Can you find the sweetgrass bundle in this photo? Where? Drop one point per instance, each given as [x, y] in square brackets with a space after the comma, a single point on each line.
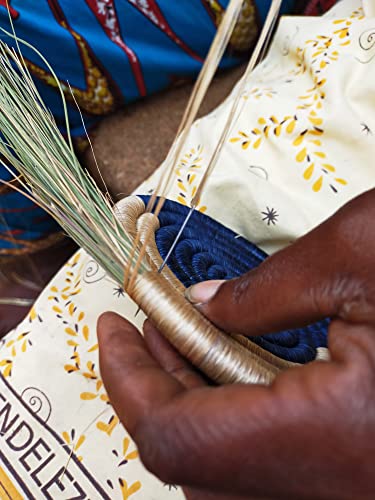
[50, 172]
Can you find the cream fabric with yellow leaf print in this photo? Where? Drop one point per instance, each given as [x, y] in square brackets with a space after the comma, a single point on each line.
[301, 146]
[302, 143]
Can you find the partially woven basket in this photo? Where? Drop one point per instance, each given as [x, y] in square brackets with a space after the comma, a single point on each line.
[225, 358]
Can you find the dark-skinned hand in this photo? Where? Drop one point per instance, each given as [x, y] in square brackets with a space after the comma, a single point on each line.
[311, 434]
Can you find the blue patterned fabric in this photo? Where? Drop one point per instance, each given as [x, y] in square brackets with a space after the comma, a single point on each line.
[207, 250]
[112, 52]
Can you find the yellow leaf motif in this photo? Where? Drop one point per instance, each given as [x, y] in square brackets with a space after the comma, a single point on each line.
[108, 428]
[66, 437]
[181, 186]
[320, 154]
[343, 33]
[278, 130]
[32, 314]
[76, 258]
[257, 143]
[71, 368]
[341, 181]
[80, 442]
[7, 363]
[88, 396]
[291, 126]
[23, 335]
[85, 332]
[329, 167]
[318, 184]
[192, 179]
[125, 447]
[301, 156]
[181, 200]
[298, 141]
[315, 121]
[316, 131]
[308, 172]
[128, 491]
[317, 53]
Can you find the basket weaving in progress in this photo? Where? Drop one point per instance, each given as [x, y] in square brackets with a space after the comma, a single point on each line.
[207, 250]
[272, 162]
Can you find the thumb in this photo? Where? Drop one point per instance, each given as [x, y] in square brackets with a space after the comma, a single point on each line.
[312, 279]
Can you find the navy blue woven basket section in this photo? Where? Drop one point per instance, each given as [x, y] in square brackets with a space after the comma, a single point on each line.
[207, 250]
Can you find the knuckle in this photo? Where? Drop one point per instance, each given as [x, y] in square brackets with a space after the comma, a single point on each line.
[240, 287]
[345, 294]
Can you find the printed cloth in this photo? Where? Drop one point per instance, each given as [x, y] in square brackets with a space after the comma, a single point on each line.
[301, 147]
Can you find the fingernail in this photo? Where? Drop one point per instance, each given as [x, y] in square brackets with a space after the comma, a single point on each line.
[203, 292]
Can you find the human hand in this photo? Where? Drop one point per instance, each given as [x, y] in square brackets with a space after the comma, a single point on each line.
[311, 433]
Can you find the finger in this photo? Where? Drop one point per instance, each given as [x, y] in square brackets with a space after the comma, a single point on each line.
[133, 378]
[170, 359]
[322, 274]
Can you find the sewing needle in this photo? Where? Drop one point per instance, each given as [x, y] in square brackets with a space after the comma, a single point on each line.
[176, 240]
[173, 246]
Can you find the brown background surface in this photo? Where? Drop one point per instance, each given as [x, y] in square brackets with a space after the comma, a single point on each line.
[132, 143]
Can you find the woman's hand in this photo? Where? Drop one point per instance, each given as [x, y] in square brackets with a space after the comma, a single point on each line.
[309, 435]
